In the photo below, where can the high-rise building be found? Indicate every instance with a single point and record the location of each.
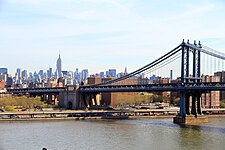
(102, 75)
(125, 71)
(59, 67)
(171, 74)
(24, 75)
(84, 74)
(3, 70)
(9, 82)
(111, 72)
(49, 72)
(76, 75)
(18, 76)
(41, 73)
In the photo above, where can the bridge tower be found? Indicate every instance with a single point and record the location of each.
(186, 116)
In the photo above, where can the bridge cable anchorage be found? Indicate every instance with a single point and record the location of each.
(150, 65)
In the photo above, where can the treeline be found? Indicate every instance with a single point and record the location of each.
(137, 99)
(14, 102)
(222, 103)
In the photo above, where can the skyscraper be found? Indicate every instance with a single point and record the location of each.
(84, 74)
(3, 70)
(59, 67)
(112, 72)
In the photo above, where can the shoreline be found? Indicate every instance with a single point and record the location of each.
(98, 118)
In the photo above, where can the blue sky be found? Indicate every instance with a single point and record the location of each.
(103, 34)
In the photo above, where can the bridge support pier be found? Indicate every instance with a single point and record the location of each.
(185, 117)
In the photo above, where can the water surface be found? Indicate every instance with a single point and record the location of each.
(111, 135)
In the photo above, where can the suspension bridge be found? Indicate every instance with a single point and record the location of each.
(190, 63)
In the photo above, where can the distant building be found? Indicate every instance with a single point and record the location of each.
(111, 73)
(84, 74)
(9, 82)
(4, 70)
(160, 80)
(93, 80)
(59, 67)
(2, 84)
(111, 98)
(211, 99)
(125, 71)
(142, 80)
(24, 75)
(153, 78)
(102, 75)
(18, 76)
(221, 75)
(49, 73)
(64, 73)
(76, 76)
(171, 75)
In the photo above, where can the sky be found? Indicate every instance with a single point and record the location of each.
(103, 34)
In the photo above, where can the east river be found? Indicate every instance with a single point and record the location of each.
(142, 134)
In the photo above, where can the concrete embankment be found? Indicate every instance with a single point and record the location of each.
(92, 114)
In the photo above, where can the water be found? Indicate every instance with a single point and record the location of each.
(141, 134)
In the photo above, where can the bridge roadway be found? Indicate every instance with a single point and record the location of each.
(90, 113)
(36, 90)
(202, 86)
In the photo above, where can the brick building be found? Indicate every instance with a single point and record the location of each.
(211, 99)
(2, 84)
(111, 98)
(221, 75)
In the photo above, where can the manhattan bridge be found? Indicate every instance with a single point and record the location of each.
(189, 62)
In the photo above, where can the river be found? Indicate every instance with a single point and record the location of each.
(139, 134)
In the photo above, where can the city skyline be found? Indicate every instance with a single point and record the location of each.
(103, 34)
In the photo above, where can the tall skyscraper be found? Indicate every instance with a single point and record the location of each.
(171, 74)
(84, 74)
(24, 75)
(49, 72)
(59, 67)
(18, 76)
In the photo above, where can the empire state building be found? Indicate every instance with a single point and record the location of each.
(59, 67)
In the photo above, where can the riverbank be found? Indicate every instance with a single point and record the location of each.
(99, 118)
(95, 114)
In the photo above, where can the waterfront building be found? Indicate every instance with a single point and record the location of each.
(160, 80)
(221, 75)
(211, 99)
(111, 98)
